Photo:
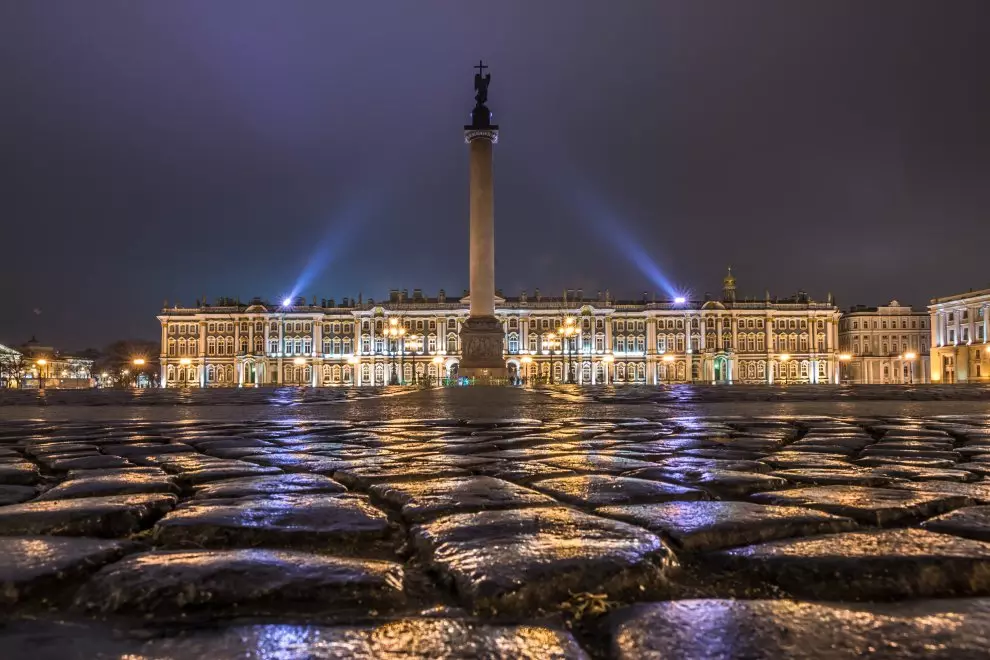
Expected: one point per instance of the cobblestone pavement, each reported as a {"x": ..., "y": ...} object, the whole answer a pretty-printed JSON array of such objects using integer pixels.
[{"x": 645, "y": 536}]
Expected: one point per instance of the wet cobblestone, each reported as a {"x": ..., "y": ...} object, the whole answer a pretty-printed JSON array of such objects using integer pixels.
[{"x": 568, "y": 537}]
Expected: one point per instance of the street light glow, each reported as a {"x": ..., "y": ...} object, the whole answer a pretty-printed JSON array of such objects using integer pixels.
[
  {"x": 845, "y": 357},
  {"x": 910, "y": 356},
  {"x": 138, "y": 362},
  {"x": 299, "y": 362},
  {"x": 668, "y": 358},
  {"x": 680, "y": 300},
  {"x": 785, "y": 357},
  {"x": 286, "y": 302}
]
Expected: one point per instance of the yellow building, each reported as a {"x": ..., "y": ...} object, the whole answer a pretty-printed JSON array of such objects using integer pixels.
[
  {"x": 888, "y": 344},
  {"x": 960, "y": 333}
]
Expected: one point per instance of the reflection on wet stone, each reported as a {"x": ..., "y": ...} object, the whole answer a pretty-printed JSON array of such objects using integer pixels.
[{"x": 482, "y": 516}]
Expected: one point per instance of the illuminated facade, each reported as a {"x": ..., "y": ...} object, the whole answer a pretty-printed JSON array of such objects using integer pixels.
[
  {"x": 568, "y": 339},
  {"x": 959, "y": 336},
  {"x": 47, "y": 367},
  {"x": 886, "y": 344}
]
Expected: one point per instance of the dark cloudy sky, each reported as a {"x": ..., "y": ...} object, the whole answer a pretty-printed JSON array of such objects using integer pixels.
[{"x": 155, "y": 150}]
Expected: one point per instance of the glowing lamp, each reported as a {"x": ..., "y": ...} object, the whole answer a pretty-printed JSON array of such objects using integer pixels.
[
  {"x": 286, "y": 302},
  {"x": 785, "y": 357},
  {"x": 910, "y": 356},
  {"x": 845, "y": 357},
  {"x": 138, "y": 362},
  {"x": 185, "y": 361},
  {"x": 680, "y": 300},
  {"x": 299, "y": 362},
  {"x": 668, "y": 358}
]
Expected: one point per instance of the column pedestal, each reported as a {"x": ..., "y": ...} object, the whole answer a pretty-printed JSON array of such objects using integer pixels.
[{"x": 481, "y": 350}]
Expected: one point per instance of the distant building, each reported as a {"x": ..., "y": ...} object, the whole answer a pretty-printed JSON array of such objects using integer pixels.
[
  {"x": 11, "y": 365},
  {"x": 573, "y": 338},
  {"x": 960, "y": 350},
  {"x": 45, "y": 366},
  {"x": 885, "y": 344}
]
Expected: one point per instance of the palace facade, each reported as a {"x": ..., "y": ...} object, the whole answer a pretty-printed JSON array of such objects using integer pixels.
[
  {"x": 885, "y": 344},
  {"x": 570, "y": 339},
  {"x": 960, "y": 333}
]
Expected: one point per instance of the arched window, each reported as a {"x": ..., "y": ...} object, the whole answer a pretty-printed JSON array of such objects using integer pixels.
[
  {"x": 451, "y": 343},
  {"x": 273, "y": 346},
  {"x": 170, "y": 374},
  {"x": 244, "y": 345},
  {"x": 171, "y": 348}
]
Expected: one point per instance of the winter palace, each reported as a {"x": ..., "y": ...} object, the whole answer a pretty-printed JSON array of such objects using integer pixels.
[{"x": 568, "y": 339}]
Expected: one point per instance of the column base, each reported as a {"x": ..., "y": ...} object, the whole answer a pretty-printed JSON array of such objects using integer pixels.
[{"x": 481, "y": 349}]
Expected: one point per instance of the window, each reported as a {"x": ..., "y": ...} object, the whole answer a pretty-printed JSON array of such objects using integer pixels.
[{"x": 513, "y": 342}]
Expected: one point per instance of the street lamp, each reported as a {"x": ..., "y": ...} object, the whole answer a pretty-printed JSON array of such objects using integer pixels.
[
  {"x": 394, "y": 333},
  {"x": 783, "y": 367},
  {"x": 526, "y": 361},
  {"x": 844, "y": 357},
  {"x": 438, "y": 361},
  {"x": 354, "y": 361},
  {"x": 669, "y": 360},
  {"x": 41, "y": 379},
  {"x": 608, "y": 359},
  {"x": 415, "y": 345},
  {"x": 910, "y": 357},
  {"x": 566, "y": 332},
  {"x": 550, "y": 340}
]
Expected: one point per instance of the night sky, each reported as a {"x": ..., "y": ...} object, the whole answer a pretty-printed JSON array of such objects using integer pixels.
[{"x": 170, "y": 150}]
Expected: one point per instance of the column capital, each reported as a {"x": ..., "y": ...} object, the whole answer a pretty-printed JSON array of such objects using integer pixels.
[{"x": 472, "y": 134}]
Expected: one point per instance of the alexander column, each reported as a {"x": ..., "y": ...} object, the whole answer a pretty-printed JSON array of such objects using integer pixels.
[{"x": 481, "y": 333}]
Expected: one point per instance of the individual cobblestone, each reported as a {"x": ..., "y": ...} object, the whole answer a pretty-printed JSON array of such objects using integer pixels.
[
  {"x": 423, "y": 500},
  {"x": 525, "y": 560},
  {"x": 107, "y": 517},
  {"x": 32, "y": 565},
  {"x": 240, "y": 582},
  {"x": 344, "y": 523},
  {"x": 704, "y": 526},
  {"x": 866, "y": 565},
  {"x": 779, "y": 629}
]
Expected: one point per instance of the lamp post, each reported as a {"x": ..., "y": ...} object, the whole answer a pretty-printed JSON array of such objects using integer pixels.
[
  {"x": 608, "y": 359},
  {"x": 910, "y": 357},
  {"x": 844, "y": 357},
  {"x": 395, "y": 333},
  {"x": 299, "y": 362},
  {"x": 783, "y": 368},
  {"x": 566, "y": 332},
  {"x": 550, "y": 341},
  {"x": 41, "y": 379},
  {"x": 354, "y": 362},
  {"x": 415, "y": 345},
  {"x": 526, "y": 361},
  {"x": 438, "y": 361},
  {"x": 138, "y": 363},
  {"x": 669, "y": 361}
]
